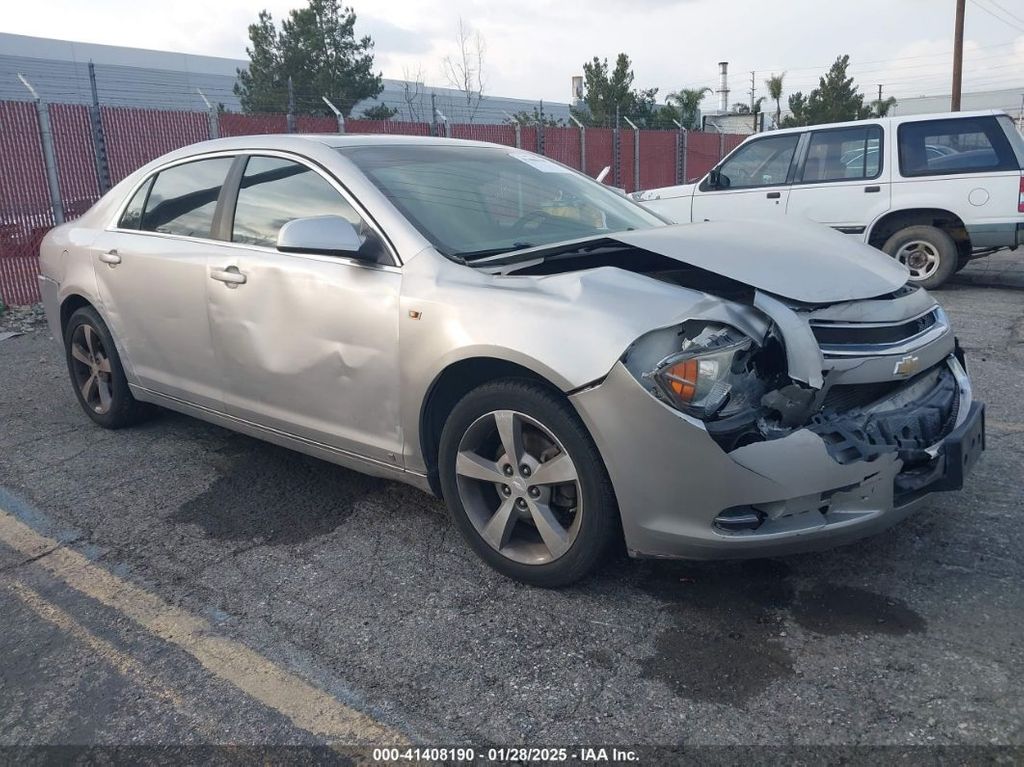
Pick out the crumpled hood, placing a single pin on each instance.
(802, 261)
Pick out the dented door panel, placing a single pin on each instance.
(308, 345)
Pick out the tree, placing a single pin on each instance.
(687, 105)
(741, 108)
(317, 48)
(412, 91)
(836, 99)
(379, 112)
(774, 84)
(533, 118)
(465, 70)
(260, 86)
(607, 92)
(881, 107)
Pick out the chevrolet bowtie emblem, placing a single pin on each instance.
(907, 366)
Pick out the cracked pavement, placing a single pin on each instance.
(362, 587)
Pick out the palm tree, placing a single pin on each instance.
(882, 107)
(687, 101)
(774, 84)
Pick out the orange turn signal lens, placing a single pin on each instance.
(682, 379)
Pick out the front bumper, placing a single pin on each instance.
(672, 480)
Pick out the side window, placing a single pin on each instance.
(132, 216)
(763, 162)
(958, 145)
(183, 198)
(275, 191)
(844, 154)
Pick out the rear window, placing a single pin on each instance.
(1013, 136)
(843, 154)
(959, 145)
(183, 198)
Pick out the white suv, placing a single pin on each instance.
(933, 191)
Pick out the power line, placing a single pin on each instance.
(996, 17)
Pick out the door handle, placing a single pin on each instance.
(230, 276)
(774, 195)
(110, 257)
(872, 189)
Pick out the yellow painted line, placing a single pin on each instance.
(308, 707)
(123, 663)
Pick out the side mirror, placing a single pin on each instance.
(714, 179)
(321, 235)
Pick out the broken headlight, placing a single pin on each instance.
(710, 374)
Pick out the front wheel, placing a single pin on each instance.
(525, 484)
(929, 253)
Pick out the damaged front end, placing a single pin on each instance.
(849, 421)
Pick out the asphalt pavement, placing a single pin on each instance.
(137, 567)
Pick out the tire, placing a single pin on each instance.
(498, 514)
(930, 254)
(97, 376)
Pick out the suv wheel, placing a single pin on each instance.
(96, 373)
(525, 484)
(929, 253)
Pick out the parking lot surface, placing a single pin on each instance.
(138, 567)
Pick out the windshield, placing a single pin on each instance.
(476, 201)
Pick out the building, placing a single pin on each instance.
(1010, 100)
(137, 77)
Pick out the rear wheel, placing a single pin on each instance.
(525, 484)
(929, 253)
(96, 373)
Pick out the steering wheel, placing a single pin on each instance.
(535, 217)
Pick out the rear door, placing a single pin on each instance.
(842, 179)
(151, 269)
(754, 181)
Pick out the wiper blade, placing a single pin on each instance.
(560, 250)
(470, 255)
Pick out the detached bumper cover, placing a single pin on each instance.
(672, 480)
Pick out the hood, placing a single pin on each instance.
(804, 262)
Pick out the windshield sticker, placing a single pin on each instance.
(543, 164)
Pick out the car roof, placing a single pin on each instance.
(290, 141)
(893, 120)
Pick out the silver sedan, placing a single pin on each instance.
(560, 365)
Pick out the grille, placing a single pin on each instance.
(830, 336)
(848, 396)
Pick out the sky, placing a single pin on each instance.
(534, 47)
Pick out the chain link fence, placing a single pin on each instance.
(56, 160)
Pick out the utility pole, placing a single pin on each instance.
(753, 91)
(958, 56)
(878, 104)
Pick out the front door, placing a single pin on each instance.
(754, 182)
(307, 344)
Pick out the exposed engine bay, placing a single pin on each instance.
(743, 388)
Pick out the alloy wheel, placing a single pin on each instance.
(519, 487)
(90, 365)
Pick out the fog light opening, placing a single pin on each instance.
(739, 518)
